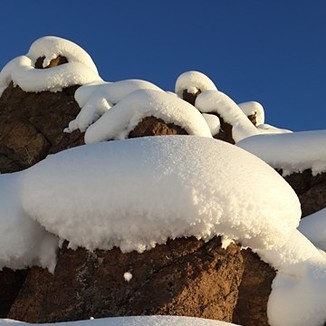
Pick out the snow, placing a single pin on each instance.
(253, 108)
(298, 294)
(121, 119)
(96, 98)
(314, 228)
(80, 68)
(127, 276)
(217, 102)
(23, 242)
(132, 321)
(161, 187)
(193, 81)
(290, 152)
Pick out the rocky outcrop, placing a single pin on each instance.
(311, 190)
(10, 285)
(151, 126)
(31, 126)
(184, 277)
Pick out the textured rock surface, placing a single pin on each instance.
(310, 189)
(31, 126)
(10, 284)
(251, 308)
(185, 277)
(151, 126)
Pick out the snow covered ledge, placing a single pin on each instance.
(290, 152)
(79, 70)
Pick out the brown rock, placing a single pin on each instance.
(310, 189)
(251, 308)
(59, 60)
(190, 97)
(10, 284)
(31, 126)
(184, 277)
(151, 126)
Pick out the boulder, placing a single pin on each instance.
(151, 126)
(31, 126)
(311, 190)
(185, 277)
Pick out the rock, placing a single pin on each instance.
(185, 277)
(190, 97)
(310, 189)
(151, 126)
(10, 284)
(59, 60)
(225, 132)
(31, 126)
(254, 290)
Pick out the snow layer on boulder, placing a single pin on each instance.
(253, 108)
(23, 242)
(291, 152)
(137, 193)
(96, 98)
(193, 81)
(122, 118)
(79, 70)
(298, 296)
(218, 102)
(314, 228)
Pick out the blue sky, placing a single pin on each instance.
(271, 51)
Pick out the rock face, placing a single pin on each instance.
(310, 189)
(185, 277)
(31, 126)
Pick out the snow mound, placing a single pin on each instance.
(134, 321)
(193, 81)
(122, 118)
(253, 108)
(298, 296)
(96, 98)
(314, 228)
(290, 152)
(79, 70)
(215, 101)
(160, 187)
(23, 242)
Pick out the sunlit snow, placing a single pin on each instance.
(132, 321)
(79, 70)
(290, 152)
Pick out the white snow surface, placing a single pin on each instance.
(291, 152)
(193, 81)
(23, 242)
(80, 68)
(160, 187)
(298, 296)
(314, 228)
(251, 108)
(96, 98)
(118, 121)
(218, 102)
(131, 321)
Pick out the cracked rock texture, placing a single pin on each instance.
(184, 277)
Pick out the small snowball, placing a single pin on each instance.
(127, 276)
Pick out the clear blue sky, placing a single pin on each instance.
(271, 51)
